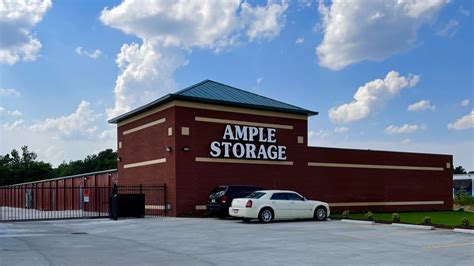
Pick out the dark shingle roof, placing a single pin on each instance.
(209, 91)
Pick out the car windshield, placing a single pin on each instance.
(255, 195)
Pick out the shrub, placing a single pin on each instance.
(345, 214)
(370, 216)
(465, 221)
(462, 198)
(426, 220)
(396, 217)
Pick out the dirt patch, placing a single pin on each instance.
(466, 208)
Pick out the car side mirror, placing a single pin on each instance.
(304, 199)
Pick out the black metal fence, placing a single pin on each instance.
(33, 202)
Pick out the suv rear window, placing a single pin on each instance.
(255, 195)
(218, 189)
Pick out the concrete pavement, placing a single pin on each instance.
(193, 241)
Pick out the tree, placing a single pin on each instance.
(459, 170)
(16, 168)
(104, 160)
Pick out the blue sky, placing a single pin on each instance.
(56, 97)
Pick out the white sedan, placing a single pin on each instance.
(268, 205)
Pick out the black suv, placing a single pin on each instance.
(220, 198)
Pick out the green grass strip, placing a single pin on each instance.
(448, 218)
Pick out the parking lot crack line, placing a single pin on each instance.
(450, 245)
(156, 247)
(35, 250)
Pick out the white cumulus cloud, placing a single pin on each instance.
(49, 146)
(169, 30)
(373, 30)
(341, 130)
(14, 113)
(17, 19)
(405, 141)
(421, 105)
(450, 29)
(405, 129)
(16, 124)
(10, 112)
(8, 92)
(371, 95)
(57, 139)
(146, 73)
(464, 12)
(464, 122)
(319, 134)
(465, 102)
(80, 123)
(94, 55)
(264, 21)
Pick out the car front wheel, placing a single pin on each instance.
(320, 214)
(265, 215)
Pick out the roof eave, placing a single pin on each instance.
(251, 106)
(141, 109)
(170, 97)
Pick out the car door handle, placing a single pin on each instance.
(292, 202)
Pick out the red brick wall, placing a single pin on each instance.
(196, 179)
(149, 144)
(189, 182)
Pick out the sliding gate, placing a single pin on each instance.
(38, 202)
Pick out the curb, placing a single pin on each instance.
(414, 226)
(357, 221)
(465, 231)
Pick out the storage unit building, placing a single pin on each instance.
(213, 134)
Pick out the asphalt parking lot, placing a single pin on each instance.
(193, 241)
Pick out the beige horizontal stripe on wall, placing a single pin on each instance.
(375, 166)
(157, 161)
(388, 203)
(200, 207)
(135, 129)
(239, 122)
(154, 207)
(212, 107)
(241, 161)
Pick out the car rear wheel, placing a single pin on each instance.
(320, 214)
(265, 215)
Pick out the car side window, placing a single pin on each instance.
(242, 194)
(293, 196)
(278, 196)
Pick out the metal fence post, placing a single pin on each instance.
(166, 203)
(113, 208)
